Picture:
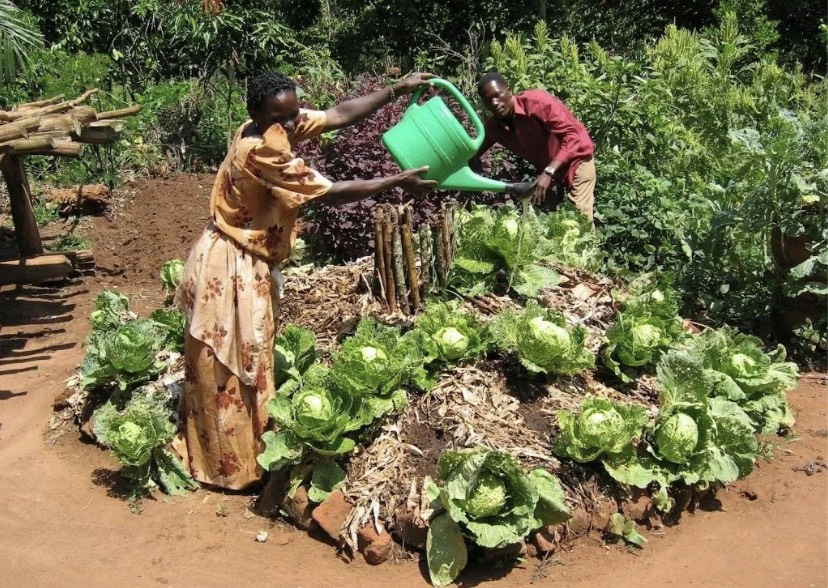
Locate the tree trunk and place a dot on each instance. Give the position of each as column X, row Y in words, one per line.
column 25, row 225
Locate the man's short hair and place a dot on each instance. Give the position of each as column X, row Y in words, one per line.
column 488, row 78
column 262, row 86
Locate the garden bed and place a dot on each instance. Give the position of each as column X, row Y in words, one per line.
column 387, row 471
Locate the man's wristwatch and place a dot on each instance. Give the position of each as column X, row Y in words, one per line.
column 549, row 170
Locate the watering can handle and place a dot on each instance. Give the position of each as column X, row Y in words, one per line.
column 464, row 103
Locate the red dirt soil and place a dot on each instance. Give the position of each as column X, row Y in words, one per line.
column 63, row 524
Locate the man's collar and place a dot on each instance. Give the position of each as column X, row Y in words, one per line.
column 517, row 105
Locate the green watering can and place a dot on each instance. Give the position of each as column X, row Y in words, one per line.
column 430, row 134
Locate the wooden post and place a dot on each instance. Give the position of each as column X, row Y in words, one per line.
column 399, row 272
column 439, row 251
column 408, row 252
column 388, row 246
column 445, row 217
column 379, row 252
column 425, row 260
column 25, row 225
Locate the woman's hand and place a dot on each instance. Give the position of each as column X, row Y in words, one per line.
column 412, row 82
column 410, row 181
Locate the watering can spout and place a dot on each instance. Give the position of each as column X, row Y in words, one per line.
column 466, row 180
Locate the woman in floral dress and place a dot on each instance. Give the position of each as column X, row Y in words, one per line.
column 228, row 291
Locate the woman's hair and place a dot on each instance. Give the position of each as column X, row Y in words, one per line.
column 262, row 86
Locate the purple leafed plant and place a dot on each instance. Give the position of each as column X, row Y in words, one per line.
column 347, row 232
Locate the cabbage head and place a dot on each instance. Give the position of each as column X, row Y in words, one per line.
column 743, row 370
column 638, row 339
column 449, row 334
column 677, row 437
column 743, row 365
column 488, row 497
column 602, row 427
column 370, row 354
column 130, row 440
column 597, row 425
column 551, row 334
column 451, row 343
column 646, row 335
column 542, row 340
column 511, row 226
column 171, row 274
column 133, row 346
column 314, row 407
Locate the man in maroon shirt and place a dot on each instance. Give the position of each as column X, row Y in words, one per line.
column 537, row 126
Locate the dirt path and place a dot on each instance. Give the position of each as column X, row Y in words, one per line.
column 62, row 523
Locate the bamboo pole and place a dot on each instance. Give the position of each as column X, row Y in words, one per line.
column 12, row 132
column 19, row 129
column 379, row 252
column 25, row 225
column 447, row 247
column 99, row 135
column 84, row 114
column 452, row 235
column 84, row 97
column 399, row 272
column 55, row 134
column 388, row 246
column 408, row 253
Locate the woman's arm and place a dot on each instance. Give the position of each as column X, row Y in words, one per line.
column 354, row 110
column 355, row 190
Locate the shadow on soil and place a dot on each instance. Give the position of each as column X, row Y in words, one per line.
column 46, row 309
column 117, row 486
column 477, row 571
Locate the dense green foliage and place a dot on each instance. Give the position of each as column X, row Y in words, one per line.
column 709, row 117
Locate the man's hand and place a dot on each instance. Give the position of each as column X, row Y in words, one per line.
column 544, row 181
column 411, row 182
column 412, row 82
